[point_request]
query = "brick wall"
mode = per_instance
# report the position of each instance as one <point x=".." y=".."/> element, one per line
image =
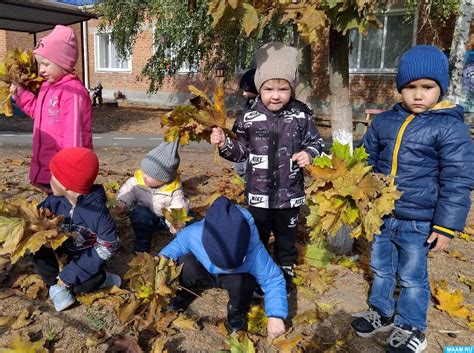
<point x="25" y="41"/>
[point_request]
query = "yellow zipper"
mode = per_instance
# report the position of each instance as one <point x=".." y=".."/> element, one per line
<point x="407" y="121"/>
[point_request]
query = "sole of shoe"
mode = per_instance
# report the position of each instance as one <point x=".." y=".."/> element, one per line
<point x="387" y="328"/>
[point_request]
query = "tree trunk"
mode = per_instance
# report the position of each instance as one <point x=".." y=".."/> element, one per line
<point x="458" y="49"/>
<point x="303" y="88"/>
<point x="339" y="104"/>
<point x="341" y="116"/>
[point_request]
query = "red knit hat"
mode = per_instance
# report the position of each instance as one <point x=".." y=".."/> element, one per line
<point x="75" y="168"/>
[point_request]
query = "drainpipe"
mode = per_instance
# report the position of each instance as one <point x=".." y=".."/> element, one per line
<point x="85" y="54"/>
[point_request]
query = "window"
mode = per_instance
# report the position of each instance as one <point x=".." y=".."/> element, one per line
<point x="380" y="49"/>
<point x="106" y="58"/>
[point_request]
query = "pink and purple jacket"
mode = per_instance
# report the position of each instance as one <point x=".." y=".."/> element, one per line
<point x="62" y="118"/>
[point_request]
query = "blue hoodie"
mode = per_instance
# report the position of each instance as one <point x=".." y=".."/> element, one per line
<point x="257" y="263"/>
<point x="93" y="234"/>
<point x="431" y="154"/>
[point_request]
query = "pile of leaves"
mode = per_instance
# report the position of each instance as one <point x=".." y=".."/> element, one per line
<point x="153" y="281"/>
<point x="25" y="229"/>
<point x="344" y="190"/>
<point x="195" y="122"/>
<point x="19" y="68"/>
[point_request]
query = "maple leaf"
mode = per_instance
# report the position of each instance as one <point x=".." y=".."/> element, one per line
<point x="25" y="229"/>
<point x="20" y="68"/>
<point x="451" y="302"/>
<point x="242" y="345"/>
<point x="177" y="217"/>
<point x="183" y="322"/>
<point x="257" y="320"/>
<point x="468" y="282"/>
<point x="345" y="191"/>
<point x="306" y="318"/>
<point x="194" y="123"/>
<point x="22" y="344"/>
<point x="32" y="285"/>
<point x="317" y="255"/>
<point x="285" y="344"/>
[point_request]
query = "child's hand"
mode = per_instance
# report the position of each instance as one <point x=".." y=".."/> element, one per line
<point x="218" y="137"/>
<point x="302" y="158"/>
<point x="172" y="229"/>
<point x="13" y="89"/>
<point x="275" y="327"/>
<point x="442" y="241"/>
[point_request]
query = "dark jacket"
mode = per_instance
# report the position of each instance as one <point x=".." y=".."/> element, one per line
<point x="434" y="166"/>
<point x="269" y="140"/>
<point x="257" y="263"/>
<point x="94" y="237"/>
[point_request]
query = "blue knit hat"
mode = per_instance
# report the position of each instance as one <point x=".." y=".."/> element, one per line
<point x="225" y="234"/>
<point x="423" y="61"/>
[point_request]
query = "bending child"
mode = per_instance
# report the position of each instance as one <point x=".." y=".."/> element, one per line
<point x="224" y="250"/>
<point x="279" y="138"/>
<point x="62" y="110"/>
<point x="153" y="187"/>
<point x="427" y="147"/>
<point x="86" y="216"/>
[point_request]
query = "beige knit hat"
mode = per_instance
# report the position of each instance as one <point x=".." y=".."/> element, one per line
<point x="275" y="60"/>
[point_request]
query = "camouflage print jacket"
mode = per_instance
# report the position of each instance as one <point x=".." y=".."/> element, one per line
<point x="268" y="140"/>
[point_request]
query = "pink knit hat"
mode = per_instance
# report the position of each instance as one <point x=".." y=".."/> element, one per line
<point x="60" y="47"/>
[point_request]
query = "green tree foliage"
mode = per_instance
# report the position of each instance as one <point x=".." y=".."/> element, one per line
<point x="183" y="34"/>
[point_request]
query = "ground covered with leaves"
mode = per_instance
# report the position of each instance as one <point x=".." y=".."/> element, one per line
<point x="320" y="305"/>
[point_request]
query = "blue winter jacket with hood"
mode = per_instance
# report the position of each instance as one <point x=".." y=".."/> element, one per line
<point x="257" y="263"/>
<point x="92" y="230"/>
<point x="431" y="155"/>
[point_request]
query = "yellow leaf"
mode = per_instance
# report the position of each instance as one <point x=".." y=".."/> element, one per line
<point x="6" y="321"/>
<point x="257" y="320"/>
<point x="158" y="346"/>
<point x="22" y="344"/>
<point x="451" y="302"/>
<point x="467" y="281"/>
<point x="23" y="320"/>
<point x="185" y="323"/>
<point x="126" y="311"/>
<point x="250" y="20"/>
<point x="286" y="344"/>
<point x="177" y="217"/>
<point x="306" y="318"/>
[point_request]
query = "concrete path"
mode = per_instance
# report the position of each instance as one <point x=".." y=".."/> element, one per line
<point x="100" y="140"/>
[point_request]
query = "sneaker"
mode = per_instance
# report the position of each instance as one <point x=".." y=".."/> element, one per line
<point x="236" y="319"/>
<point x="406" y="340"/>
<point x="61" y="296"/>
<point x="111" y="279"/>
<point x="181" y="301"/>
<point x="368" y="323"/>
<point x="288" y="274"/>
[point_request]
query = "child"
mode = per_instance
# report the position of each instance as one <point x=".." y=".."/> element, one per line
<point x="224" y="251"/>
<point x="62" y="110"/>
<point x="249" y="91"/>
<point x="155" y="186"/>
<point x="97" y="95"/>
<point x="87" y="219"/>
<point x="279" y="138"/>
<point x="428" y="148"/>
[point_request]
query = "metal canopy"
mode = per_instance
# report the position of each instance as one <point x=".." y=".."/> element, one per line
<point x="38" y="16"/>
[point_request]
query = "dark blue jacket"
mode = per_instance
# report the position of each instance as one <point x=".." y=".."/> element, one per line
<point x="93" y="234"/>
<point x="258" y="263"/>
<point x="433" y="161"/>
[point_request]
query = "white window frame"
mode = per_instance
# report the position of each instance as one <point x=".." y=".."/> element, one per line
<point x="97" y="53"/>
<point x="184" y="69"/>
<point x="358" y="46"/>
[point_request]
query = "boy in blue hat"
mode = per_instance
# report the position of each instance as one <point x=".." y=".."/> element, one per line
<point x="427" y="147"/>
<point x="224" y="250"/>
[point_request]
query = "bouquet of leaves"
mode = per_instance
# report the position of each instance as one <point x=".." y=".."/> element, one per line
<point x="229" y="185"/>
<point x="19" y="68"/>
<point x="25" y="229"/>
<point x="177" y="217"/>
<point x="344" y="190"/>
<point x="195" y="122"/>
<point x="153" y="281"/>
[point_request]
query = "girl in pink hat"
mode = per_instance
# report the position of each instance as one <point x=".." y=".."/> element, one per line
<point x="62" y="109"/>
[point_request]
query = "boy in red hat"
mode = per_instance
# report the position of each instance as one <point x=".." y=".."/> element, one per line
<point x="87" y="219"/>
